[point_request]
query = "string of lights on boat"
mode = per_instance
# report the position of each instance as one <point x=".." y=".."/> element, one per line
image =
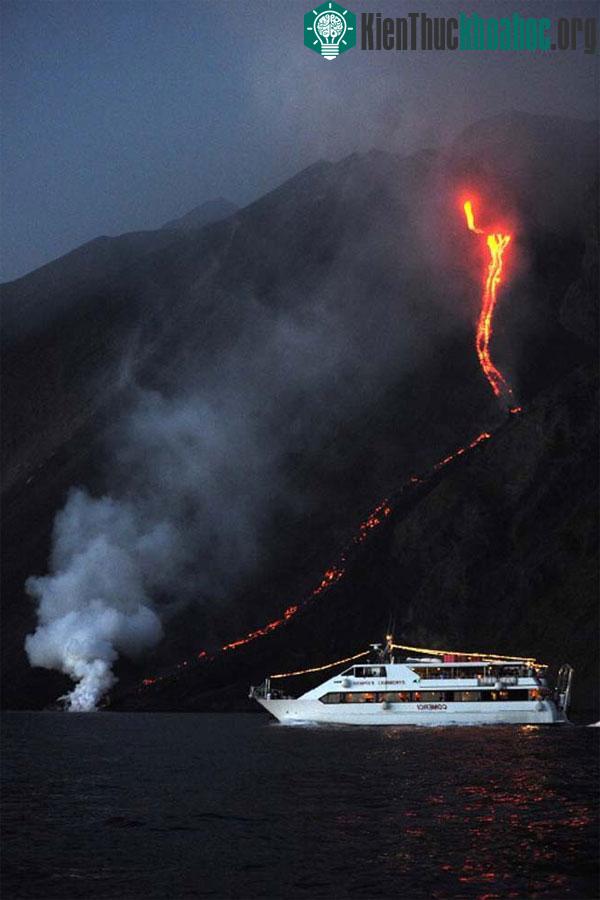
<point x="484" y="657"/>
<point x="332" y="665"/>
<point x="458" y="654"/>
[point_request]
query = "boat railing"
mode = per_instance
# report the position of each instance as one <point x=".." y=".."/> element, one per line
<point x="261" y="691"/>
<point x="264" y="691"/>
<point x="564" y="684"/>
<point x="491" y="680"/>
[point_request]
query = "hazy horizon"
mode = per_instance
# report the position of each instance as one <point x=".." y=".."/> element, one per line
<point x="119" y="117"/>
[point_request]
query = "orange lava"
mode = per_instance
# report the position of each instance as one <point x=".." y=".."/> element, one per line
<point x="484" y="436"/>
<point x="332" y="575"/>
<point x="497" y="244"/>
<point x="375" y="519"/>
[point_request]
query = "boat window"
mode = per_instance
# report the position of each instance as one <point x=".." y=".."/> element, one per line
<point x="452" y="696"/>
<point x="425" y="696"/>
<point x="436" y="672"/>
<point x="445" y="672"/>
<point x="468" y="671"/>
<point x="370" y="672"/>
<point x="421" y="672"/>
<point x="359" y="697"/>
<point x="507" y="695"/>
<point x="513" y="670"/>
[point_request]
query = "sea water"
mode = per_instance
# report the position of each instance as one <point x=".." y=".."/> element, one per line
<point x="119" y="805"/>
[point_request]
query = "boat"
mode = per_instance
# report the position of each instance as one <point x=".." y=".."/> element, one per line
<point x="439" y="688"/>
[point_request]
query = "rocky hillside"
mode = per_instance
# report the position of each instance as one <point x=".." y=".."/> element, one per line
<point x="365" y="265"/>
<point x="496" y="552"/>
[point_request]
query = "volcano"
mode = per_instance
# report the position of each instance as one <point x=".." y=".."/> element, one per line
<point x="495" y="550"/>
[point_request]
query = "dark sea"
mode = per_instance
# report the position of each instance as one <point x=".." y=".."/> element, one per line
<point x="119" y="805"/>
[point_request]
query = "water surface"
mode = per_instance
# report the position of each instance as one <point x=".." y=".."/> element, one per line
<point x="118" y="805"/>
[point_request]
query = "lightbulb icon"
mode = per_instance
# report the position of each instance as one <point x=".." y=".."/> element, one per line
<point x="329" y="28"/>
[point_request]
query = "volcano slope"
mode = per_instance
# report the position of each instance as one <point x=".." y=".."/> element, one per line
<point x="495" y="552"/>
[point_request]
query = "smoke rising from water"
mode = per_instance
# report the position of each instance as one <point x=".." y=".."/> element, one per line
<point x="96" y="603"/>
<point x="196" y="472"/>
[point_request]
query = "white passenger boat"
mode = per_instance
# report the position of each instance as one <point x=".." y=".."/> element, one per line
<point x="440" y="688"/>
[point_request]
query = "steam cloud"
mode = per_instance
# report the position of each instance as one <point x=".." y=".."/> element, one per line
<point x="191" y="487"/>
<point x="196" y="474"/>
<point x="96" y="604"/>
<point x="200" y="464"/>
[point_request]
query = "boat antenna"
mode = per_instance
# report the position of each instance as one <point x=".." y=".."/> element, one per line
<point x="391" y="625"/>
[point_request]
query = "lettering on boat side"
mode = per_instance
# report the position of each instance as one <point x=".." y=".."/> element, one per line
<point x="431" y="706"/>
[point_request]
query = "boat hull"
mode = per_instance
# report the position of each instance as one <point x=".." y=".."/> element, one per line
<point x="496" y="713"/>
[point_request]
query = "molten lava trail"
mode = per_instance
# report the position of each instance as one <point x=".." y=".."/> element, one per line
<point x="331" y="576"/>
<point x="497" y="244"/>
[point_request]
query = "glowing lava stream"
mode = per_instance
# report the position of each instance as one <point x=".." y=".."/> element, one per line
<point x="332" y="575"/>
<point x="497" y="244"/>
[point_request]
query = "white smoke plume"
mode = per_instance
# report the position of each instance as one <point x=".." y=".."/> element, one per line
<point x="194" y="475"/>
<point x="96" y="602"/>
<point x="198" y="468"/>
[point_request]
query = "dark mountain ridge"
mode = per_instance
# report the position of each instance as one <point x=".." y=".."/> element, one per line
<point x="201" y="215"/>
<point x="372" y="250"/>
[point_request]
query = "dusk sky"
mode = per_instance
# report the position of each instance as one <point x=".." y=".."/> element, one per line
<point x="118" y="116"/>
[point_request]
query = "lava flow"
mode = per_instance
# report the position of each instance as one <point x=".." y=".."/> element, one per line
<point x="484" y="436"/>
<point x="497" y="244"/>
<point x="332" y="575"/>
